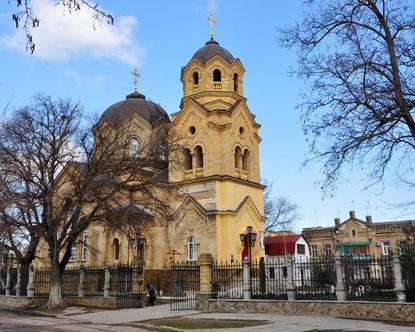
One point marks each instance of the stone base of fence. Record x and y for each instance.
(202, 301)
(357, 310)
(13, 302)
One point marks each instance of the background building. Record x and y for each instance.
(359, 237)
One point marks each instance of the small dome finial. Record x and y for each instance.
(136, 75)
(212, 21)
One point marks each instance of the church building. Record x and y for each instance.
(218, 180)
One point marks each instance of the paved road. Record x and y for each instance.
(124, 320)
(24, 322)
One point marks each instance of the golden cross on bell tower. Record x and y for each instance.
(136, 75)
(212, 21)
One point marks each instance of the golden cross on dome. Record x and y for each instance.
(212, 21)
(136, 75)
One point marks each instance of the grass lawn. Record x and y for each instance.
(204, 323)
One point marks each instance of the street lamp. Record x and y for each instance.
(248, 239)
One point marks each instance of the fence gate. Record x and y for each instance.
(127, 286)
(184, 285)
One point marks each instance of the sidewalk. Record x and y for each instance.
(284, 323)
(131, 315)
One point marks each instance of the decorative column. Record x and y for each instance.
(340, 290)
(8, 281)
(19, 280)
(290, 279)
(107, 282)
(205, 262)
(247, 282)
(81, 288)
(399, 285)
(30, 284)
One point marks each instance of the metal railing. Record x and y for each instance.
(314, 278)
(369, 278)
(269, 279)
(227, 280)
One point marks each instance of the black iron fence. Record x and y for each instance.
(94, 281)
(227, 280)
(314, 278)
(3, 280)
(70, 282)
(41, 281)
(185, 284)
(269, 279)
(407, 260)
(368, 278)
(126, 284)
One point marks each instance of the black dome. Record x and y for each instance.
(211, 49)
(134, 103)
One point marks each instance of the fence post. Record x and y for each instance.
(81, 288)
(107, 282)
(8, 281)
(290, 279)
(399, 286)
(19, 280)
(340, 291)
(205, 262)
(30, 284)
(247, 282)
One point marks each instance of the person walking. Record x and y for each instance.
(151, 293)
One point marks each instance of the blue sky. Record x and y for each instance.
(158, 37)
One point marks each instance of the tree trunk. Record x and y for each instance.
(55, 293)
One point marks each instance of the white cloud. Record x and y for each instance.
(71, 74)
(62, 36)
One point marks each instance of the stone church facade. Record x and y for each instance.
(219, 177)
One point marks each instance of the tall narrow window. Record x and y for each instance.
(245, 160)
(195, 78)
(235, 82)
(141, 246)
(84, 245)
(162, 152)
(199, 156)
(116, 244)
(314, 250)
(188, 160)
(386, 247)
(327, 249)
(74, 252)
(191, 249)
(133, 147)
(217, 76)
(238, 157)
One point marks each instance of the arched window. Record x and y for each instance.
(162, 151)
(188, 160)
(84, 245)
(245, 160)
(141, 247)
(191, 249)
(217, 76)
(133, 147)
(195, 78)
(116, 244)
(199, 156)
(235, 82)
(238, 157)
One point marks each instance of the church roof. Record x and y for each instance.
(134, 103)
(211, 49)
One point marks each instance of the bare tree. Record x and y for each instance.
(25, 18)
(358, 57)
(58, 176)
(281, 212)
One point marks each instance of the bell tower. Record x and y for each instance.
(220, 132)
(219, 169)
